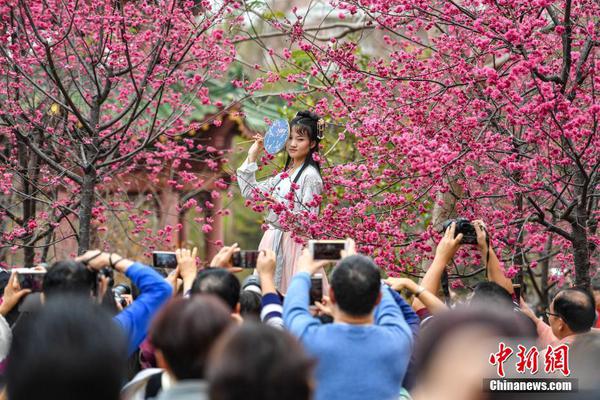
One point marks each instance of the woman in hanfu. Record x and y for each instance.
(300, 169)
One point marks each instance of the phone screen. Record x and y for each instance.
(245, 258)
(316, 288)
(34, 282)
(328, 250)
(164, 259)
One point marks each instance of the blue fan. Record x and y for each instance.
(276, 136)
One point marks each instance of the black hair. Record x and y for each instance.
(185, 330)
(250, 304)
(307, 123)
(69, 276)
(577, 308)
(219, 282)
(490, 294)
(356, 285)
(259, 362)
(69, 349)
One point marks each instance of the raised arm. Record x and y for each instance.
(433, 303)
(154, 291)
(446, 249)
(296, 314)
(272, 309)
(246, 173)
(389, 314)
(494, 270)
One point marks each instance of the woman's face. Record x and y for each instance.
(298, 144)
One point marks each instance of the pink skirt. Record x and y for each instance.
(291, 251)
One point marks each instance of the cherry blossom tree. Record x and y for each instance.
(475, 108)
(88, 89)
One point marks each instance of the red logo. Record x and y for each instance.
(555, 359)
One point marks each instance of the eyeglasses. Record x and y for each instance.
(548, 314)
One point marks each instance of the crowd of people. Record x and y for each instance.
(203, 334)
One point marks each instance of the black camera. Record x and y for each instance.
(465, 227)
(119, 291)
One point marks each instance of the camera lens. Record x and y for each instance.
(121, 289)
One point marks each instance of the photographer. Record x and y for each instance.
(79, 276)
(494, 293)
(352, 362)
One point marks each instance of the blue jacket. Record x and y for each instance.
(154, 292)
(354, 361)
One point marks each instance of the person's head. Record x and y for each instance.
(452, 352)
(250, 304)
(355, 286)
(490, 294)
(572, 311)
(69, 276)
(221, 283)
(304, 138)
(185, 330)
(584, 357)
(70, 349)
(258, 362)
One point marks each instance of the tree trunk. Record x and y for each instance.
(85, 213)
(581, 255)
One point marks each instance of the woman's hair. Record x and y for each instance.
(256, 362)
(307, 123)
(185, 330)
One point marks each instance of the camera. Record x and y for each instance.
(30, 279)
(245, 258)
(119, 291)
(465, 227)
(327, 249)
(164, 259)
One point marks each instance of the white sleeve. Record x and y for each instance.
(246, 176)
(311, 187)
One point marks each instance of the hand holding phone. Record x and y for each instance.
(327, 249)
(164, 259)
(13, 293)
(245, 258)
(31, 279)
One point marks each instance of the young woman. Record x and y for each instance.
(301, 169)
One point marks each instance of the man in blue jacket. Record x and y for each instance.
(364, 353)
(78, 276)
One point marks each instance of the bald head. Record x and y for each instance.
(576, 307)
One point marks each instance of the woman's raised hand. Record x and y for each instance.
(256, 148)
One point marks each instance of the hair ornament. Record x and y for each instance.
(320, 128)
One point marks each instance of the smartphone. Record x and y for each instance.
(327, 249)
(316, 288)
(164, 259)
(30, 279)
(245, 258)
